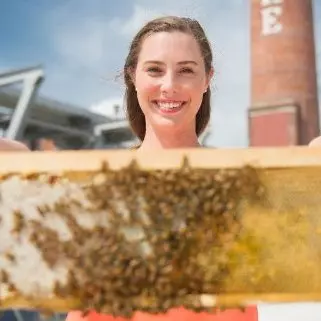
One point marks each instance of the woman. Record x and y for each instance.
(167, 75)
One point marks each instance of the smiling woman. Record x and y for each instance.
(167, 75)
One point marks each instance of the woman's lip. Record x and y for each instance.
(168, 110)
(163, 101)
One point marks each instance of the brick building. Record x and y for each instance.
(284, 94)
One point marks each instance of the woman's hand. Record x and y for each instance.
(316, 142)
(8, 145)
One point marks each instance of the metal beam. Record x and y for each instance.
(32, 79)
(10, 77)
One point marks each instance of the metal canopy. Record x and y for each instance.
(31, 79)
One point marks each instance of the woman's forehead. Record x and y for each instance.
(162, 46)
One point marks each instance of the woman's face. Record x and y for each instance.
(170, 80)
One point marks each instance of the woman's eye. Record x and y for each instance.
(153, 69)
(187, 70)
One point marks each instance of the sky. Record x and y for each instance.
(82, 46)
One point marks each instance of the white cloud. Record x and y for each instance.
(83, 42)
(128, 27)
(87, 55)
(189, 8)
(144, 11)
(80, 40)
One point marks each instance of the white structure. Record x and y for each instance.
(36, 117)
(31, 79)
(116, 132)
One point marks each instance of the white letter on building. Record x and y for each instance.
(270, 2)
(270, 23)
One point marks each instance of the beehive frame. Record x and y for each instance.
(278, 162)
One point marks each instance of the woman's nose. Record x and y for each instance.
(168, 83)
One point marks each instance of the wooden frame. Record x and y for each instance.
(91, 160)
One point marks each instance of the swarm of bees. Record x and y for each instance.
(138, 239)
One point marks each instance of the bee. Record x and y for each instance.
(43, 209)
(18, 222)
(12, 288)
(10, 257)
(4, 277)
(32, 176)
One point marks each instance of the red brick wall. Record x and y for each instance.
(283, 64)
(278, 128)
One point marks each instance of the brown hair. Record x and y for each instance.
(168, 24)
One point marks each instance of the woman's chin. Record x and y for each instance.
(166, 124)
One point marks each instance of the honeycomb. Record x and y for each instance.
(120, 241)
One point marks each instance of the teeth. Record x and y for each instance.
(169, 105)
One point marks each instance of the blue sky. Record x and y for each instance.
(82, 45)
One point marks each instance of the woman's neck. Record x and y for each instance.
(169, 139)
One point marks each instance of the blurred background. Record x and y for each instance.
(61, 63)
